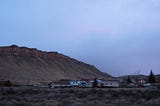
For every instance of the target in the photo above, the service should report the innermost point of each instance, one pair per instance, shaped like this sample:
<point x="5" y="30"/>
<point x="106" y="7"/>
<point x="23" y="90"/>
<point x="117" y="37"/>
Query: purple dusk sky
<point x="117" y="36"/>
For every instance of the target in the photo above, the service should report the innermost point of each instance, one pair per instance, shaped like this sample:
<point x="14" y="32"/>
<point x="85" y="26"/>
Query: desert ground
<point x="38" y="96"/>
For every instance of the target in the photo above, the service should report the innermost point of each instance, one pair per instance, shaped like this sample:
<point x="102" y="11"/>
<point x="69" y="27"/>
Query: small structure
<point x="107" y="83"/>
<point x="74" y="83"/>
<point x="61" y="83"/>
<point x="110" y="83"/>
<point x="45" y="84"/>
<point x="5" y="83"/>
<point x="80" y="83"/>
<point x="85" y="83"/>
<point x="96" y="82"/>
<point x="141" y="83"/>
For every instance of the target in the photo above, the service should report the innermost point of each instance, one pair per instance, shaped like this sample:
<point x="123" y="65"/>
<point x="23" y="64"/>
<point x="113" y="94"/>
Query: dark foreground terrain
<point x="36" y="96"/>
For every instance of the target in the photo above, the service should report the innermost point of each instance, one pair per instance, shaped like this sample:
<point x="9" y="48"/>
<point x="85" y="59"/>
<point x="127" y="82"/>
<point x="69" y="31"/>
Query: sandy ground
<point x="36" y="96"/>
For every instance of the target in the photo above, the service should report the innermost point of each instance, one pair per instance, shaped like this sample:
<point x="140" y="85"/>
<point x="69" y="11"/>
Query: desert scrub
<point x="7" y="91"/>
<point x="81" y="94"/>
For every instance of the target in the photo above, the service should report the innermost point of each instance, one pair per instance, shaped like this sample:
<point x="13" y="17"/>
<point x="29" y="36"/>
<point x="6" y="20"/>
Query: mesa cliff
<point x="24" y="65"/>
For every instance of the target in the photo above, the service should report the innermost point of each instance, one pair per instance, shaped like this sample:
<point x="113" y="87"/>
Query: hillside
<point x="32" y="66"/>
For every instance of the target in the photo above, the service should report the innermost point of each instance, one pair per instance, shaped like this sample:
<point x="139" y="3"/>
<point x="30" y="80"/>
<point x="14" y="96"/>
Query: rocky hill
<point x="24" y="65"/>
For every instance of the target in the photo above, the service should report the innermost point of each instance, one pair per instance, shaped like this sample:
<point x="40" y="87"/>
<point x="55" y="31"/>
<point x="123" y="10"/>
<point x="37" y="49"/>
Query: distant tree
<point x="13" y="46"/>
<point x="50" y="84"/>
<point x="95" y="83"/>
<point x="129" y="80"/>
<point x="151" y="78"/>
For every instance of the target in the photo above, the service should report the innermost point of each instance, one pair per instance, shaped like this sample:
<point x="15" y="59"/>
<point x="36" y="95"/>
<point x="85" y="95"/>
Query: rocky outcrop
<point x="14" y="50"/>
<point x="29" y="65"/>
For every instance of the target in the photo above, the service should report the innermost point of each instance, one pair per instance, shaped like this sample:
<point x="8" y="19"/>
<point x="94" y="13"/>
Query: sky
<point x="119" y="37"/>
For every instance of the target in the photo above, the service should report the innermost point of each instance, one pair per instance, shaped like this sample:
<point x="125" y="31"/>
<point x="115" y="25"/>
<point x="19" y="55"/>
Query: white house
<point x="74" y="83"/>
<point x="80" y="83"/>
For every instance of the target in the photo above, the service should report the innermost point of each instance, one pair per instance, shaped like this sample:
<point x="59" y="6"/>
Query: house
<point x="141" y="83"/>
<point x="98" y="81"/>
<point x="85" y="83"/>
<point x="80" y="83"/>
<point x="106" y="83"/>
<point x="74" y="83"/>
<point x="110" y="83"/>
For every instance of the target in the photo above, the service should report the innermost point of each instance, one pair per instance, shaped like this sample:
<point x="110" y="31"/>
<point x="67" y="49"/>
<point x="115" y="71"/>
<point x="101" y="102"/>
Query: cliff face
<point x="29" y="52"/>
<point x="32" y="66"/>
